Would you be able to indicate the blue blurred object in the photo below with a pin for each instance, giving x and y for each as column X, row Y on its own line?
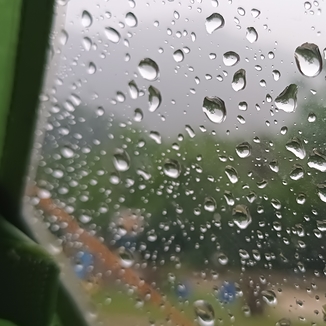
column 227, row 292
column 85, row 260
column 183, row 290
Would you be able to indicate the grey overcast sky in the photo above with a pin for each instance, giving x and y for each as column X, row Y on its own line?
column 281, row 27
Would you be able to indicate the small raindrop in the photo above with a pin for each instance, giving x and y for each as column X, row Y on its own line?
column 190, row 131
column 312, row 117
column 230, row 58
column 276, row 75
column 112, row 34
column 214, row 109
column 251, row 35
column 67, row 152
column 214, row 22
column 63, row 37
column 239, row 80
column 87, row 43
column 120, row 97
column 273, row 165
column 287, row 100
column 241, row 216
column 241, row 11
column 255, row 13
column 228, row 196
column 204, row 313
column 133, row 90
column 172, row 168
column 295, row 146
column 148, row 69
column 308, row 59
column 209, row 204
column 121, row 160
column 87, row 19
column 243, row 106
column 232, row 174
column 297, row 172
column 269, row 297
column 178, row 56
column 243, row 150
column 91, row 68
column 131, row 20
column 154, row 98
column 138, row 115
column 283, row 322
column 156, row 136
column 126, row 257
column 321, row 191
column 317, row 161
column 301, row 199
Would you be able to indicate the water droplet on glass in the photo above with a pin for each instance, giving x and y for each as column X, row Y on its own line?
column 317, row 161
column 172, row 168
column 307, row 5
column 87, row 19
column 214, row 22
column 138, row 115
column 239, row 80
column 148, row 69
column 87, row 43
column 312, row 117
column 297, row 172
column 229, row 198
column 112, row 34
column 231, row 173
column 156, row 136
column 178, row 56
column 321, row 191
column 190, row 131
column 209, row 204
column 276, row 75
column 243, row 106
column 91, row 68
column 221, row 258
column 204, row 313
column 283, row 322
column 154, row 98
column 243, row 150
column 131, row 20
column 133, row 90
column 241, row 216
column 120, row 97
column 255, row 12
column 269, row 297
column 241, row 11
column 63, row 37
column 230, row 58
column 273, row 165
column 295, row 146
column 67, row 152
column 287, row 100
column 214, row 108
column 126, row 257
column 251, row 35
column 121, row 160
column 308, row 59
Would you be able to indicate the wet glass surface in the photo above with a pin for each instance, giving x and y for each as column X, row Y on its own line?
column 179, row 165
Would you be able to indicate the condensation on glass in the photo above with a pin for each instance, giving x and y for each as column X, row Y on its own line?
column 181, row 164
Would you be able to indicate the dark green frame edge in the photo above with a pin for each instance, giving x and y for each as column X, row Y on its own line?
column 20, row 121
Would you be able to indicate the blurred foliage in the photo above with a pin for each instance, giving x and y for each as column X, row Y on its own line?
column 286, row 228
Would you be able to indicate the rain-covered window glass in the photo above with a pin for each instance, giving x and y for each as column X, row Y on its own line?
column 178, row 168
